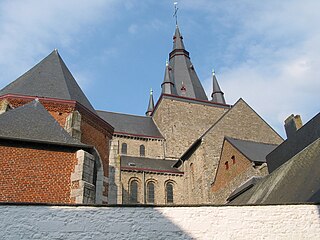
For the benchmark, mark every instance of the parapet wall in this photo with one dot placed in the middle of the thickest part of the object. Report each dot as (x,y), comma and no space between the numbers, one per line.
(202,222)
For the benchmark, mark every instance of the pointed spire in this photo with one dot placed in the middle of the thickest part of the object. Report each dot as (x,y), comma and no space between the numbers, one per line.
(183,70)
(168,85)
(217,94)
(177,40)
(151,104)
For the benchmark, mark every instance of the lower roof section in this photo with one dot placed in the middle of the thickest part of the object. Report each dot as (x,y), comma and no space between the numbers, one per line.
(148,165)
(131,124)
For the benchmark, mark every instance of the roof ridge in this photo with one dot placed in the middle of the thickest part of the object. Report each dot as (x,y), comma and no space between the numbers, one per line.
(252,141)
(127,114)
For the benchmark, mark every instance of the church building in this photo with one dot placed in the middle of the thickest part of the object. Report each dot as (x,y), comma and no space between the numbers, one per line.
(187,149)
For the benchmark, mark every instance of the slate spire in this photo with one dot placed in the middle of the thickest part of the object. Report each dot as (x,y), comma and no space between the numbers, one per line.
(217,94)
(50,78)
(182,70)
(150,105)
(168,85)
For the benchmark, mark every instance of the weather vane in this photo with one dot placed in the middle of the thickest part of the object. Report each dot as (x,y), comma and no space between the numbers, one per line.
(175,15)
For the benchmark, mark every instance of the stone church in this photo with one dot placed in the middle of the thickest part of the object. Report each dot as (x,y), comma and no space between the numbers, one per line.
(188,149)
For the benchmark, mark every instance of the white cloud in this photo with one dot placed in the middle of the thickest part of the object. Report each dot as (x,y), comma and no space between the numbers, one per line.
(272,57)
(31,29)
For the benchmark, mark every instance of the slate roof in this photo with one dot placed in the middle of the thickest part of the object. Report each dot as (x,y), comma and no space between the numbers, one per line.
(295,143)
(32,122)
(131,124)
(244,187)
(254,151)
(148,164)
(296,181)
(183,70)
(49,78)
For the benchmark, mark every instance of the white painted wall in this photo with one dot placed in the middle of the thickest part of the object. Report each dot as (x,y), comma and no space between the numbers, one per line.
(227,222)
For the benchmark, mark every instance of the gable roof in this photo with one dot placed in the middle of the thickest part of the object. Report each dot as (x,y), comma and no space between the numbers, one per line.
(296,181)
(131,124)
(148,164)
(254,151)
(32,122)
(225,116)
(49,78)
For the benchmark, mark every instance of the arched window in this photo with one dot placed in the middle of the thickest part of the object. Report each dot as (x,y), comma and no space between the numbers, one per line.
(142,150)
(150,192)
(124,148)
(134,191)
(169,192)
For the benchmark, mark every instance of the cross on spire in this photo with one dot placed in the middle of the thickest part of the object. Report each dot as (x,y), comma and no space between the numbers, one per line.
(175,15)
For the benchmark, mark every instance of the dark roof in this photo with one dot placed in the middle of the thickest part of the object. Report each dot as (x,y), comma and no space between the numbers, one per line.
(50,78)
(295,143)
(148,164)
(244,187)
(296,181)
(150,105)
(183,70)
(131,124)
(254,151)
(32,122)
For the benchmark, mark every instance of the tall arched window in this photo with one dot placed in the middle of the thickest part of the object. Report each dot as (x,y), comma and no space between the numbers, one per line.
(134,191)
(150,192)
(124,148)
(169,192)
(142,150)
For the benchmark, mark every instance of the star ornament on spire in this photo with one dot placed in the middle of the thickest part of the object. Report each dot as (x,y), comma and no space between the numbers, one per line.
(175,15)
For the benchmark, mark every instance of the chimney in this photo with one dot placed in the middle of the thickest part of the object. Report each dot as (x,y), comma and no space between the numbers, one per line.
(292,124)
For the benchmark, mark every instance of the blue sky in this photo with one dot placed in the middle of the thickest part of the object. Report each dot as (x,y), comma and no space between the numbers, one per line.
(267,52)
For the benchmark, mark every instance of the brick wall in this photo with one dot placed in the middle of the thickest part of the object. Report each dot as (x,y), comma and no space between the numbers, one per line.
(239,170)
(207,222)
(35,173)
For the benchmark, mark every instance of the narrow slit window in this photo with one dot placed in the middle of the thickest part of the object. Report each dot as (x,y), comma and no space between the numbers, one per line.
(142,150)
(124,148)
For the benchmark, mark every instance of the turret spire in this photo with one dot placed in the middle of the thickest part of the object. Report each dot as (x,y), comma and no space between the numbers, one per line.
(168,85)
(151,104)
(217,94)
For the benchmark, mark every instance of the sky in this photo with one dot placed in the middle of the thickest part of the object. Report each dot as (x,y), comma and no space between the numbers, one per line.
(266,52)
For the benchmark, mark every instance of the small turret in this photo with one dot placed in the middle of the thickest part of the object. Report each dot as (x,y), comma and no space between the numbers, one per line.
(217,94)
(168,85)
(150,105)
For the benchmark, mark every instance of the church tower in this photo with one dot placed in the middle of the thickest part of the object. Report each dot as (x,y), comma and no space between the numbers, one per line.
(180,77)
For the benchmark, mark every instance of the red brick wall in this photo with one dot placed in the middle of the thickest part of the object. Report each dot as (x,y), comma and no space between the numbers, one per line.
(92,134)
(35,173)
(225,176)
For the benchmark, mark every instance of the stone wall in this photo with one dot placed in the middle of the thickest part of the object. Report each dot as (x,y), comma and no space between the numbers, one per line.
(207,222)
(154,148)
(35,173)
(181,122)
(239,122)
(159,180)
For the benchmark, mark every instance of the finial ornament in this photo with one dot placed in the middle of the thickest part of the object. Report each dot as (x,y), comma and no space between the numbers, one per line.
(213,72)
(175,15)
(167,63)
(151,91)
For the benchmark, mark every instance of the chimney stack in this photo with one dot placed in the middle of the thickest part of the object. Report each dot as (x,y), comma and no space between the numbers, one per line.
(292,124)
